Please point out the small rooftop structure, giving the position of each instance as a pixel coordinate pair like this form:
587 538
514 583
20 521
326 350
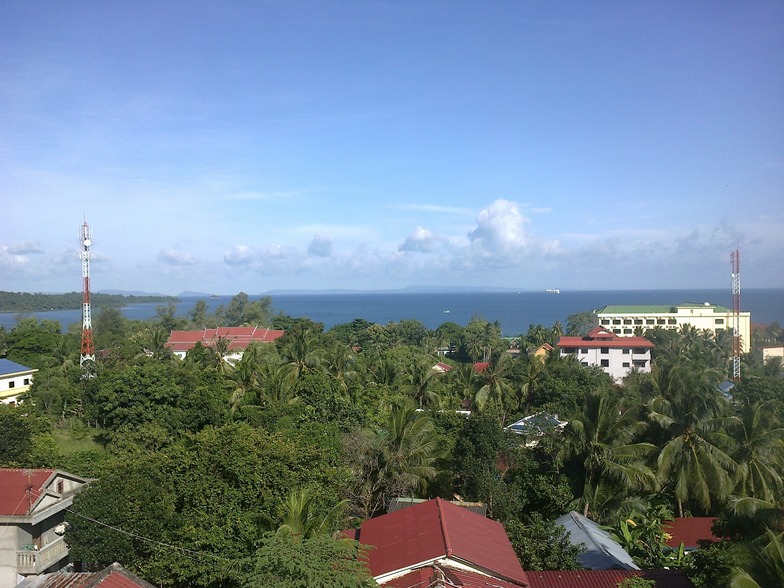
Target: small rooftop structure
601 552
535 426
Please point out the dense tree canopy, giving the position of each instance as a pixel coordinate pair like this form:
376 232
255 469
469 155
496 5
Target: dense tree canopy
200 462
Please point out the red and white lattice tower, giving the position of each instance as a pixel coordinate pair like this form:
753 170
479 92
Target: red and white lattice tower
87 359
736 346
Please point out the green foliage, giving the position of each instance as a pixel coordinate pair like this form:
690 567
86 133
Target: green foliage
712 565
16 438
203 494
36 302
637 582
542 545
641 535
243 311
178 398
286 562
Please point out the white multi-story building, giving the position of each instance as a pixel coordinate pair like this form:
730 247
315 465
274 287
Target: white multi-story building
616 355
624 320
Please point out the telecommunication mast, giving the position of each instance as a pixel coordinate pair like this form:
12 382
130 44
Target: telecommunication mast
87 359
736 347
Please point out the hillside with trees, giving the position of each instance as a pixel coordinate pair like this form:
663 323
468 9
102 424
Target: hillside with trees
210 473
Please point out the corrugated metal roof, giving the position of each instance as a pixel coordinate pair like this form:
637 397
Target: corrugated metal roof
606 578
601 552
446 577
113 576
20 489
479 508
689 530
8 367
239 337
600 337
437 529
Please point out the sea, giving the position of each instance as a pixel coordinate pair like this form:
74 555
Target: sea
514 311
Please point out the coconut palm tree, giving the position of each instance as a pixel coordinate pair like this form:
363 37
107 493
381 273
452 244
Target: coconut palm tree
759 452
300 349
602 440
302 519
689 412
765 567
497 387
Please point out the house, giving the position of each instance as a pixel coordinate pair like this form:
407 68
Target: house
534 427
689 531
32 513
15 380
616 355
437 541
114 576
607 578
600 551
771 352
623 320
237 339
542 352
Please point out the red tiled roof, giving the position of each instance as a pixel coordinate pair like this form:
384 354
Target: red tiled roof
446 577
689 530
438 529
600 337
606 578
15 500
481 366
239 337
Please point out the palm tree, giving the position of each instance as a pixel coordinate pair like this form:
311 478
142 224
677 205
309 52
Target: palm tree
300 349
689 411
418 378
765 565
497 387
302 519
601 439
759 452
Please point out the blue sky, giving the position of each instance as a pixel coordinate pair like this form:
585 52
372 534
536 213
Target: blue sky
251 146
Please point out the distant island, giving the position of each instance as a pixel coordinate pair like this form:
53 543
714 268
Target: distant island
38 302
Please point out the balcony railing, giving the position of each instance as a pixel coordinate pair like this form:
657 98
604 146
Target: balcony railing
36 561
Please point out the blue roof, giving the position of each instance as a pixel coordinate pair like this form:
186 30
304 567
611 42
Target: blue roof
601 551
11 367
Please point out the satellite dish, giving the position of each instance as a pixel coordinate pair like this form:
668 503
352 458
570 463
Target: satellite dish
87 242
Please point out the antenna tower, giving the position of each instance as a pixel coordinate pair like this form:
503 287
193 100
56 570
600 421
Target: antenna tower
735 260
87 359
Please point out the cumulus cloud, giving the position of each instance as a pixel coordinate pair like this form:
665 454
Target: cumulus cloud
176 257
320 246
26 248
239 255
500 228
421 240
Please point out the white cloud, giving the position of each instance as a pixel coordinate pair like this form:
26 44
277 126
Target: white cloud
176 257
421 240
320 246
500 229
239 255
27 248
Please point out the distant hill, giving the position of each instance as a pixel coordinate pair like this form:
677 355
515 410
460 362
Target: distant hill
131 293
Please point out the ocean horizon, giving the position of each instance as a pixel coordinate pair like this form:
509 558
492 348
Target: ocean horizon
515 311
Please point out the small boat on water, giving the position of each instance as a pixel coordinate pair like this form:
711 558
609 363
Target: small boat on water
553 291
446 312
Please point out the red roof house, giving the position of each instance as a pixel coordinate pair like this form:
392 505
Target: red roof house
180 342
416 542
32 514
689 530
614 354
114 576
606 578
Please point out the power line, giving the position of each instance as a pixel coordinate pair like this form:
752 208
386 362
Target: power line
153 541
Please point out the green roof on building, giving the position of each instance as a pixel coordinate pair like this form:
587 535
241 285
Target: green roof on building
659 308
